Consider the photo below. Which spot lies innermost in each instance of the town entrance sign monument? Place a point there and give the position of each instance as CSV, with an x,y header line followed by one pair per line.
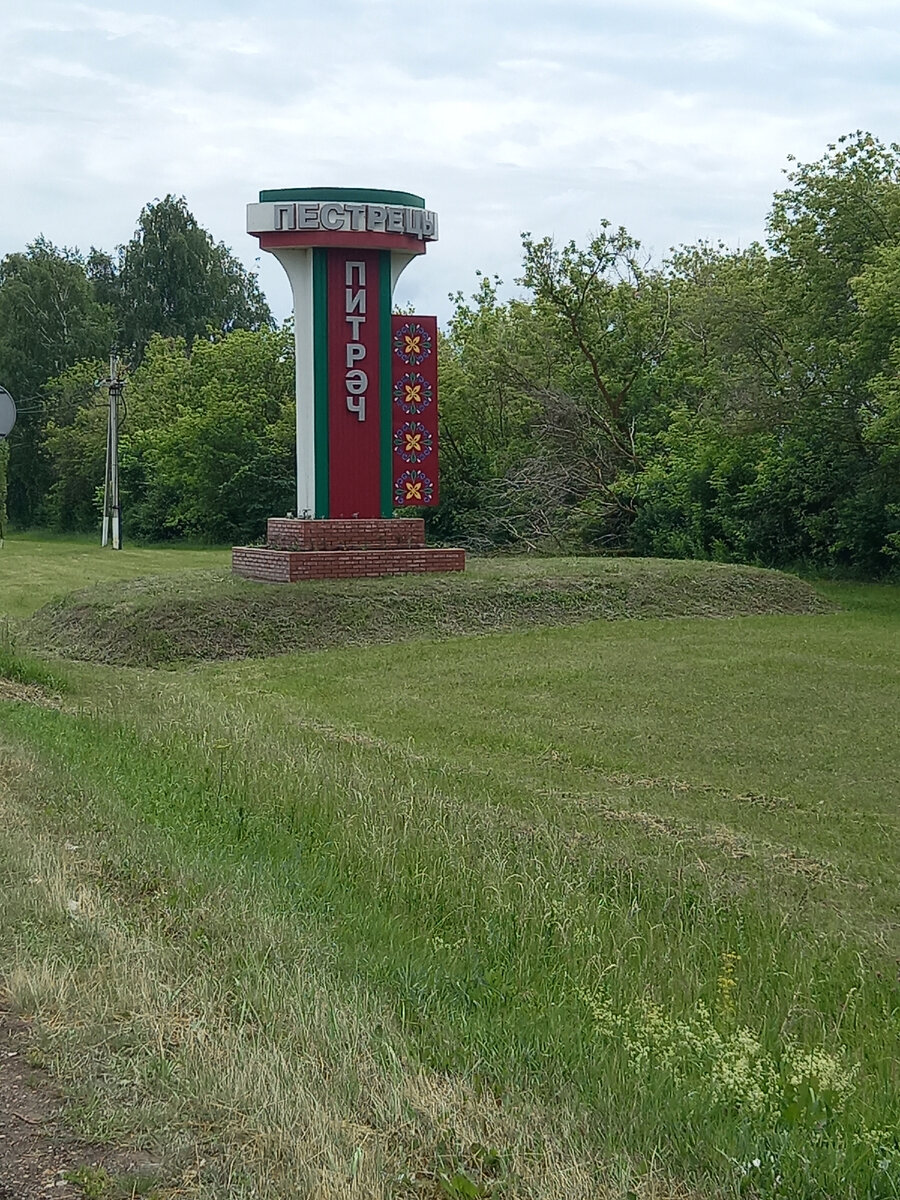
x,y
367,431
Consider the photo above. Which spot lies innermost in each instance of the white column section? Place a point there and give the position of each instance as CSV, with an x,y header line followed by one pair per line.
x,y
298,266
399,263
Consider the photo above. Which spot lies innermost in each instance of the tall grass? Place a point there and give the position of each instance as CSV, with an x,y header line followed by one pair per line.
x,y
326,964
18,667
605,911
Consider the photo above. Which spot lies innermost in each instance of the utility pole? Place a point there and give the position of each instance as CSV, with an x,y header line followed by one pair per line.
x,y
112,515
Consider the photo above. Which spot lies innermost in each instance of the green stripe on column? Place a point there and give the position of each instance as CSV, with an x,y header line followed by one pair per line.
x,y
320,343
385,388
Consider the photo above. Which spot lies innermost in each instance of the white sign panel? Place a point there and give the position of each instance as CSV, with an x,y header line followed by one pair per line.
x,y
7,413
333,216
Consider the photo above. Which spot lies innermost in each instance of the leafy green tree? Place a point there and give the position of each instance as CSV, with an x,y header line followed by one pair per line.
x,y
825,225
102,270
730,405
877,290
176,282
780,381
727,356
838,219
223,461
543,396
607,316
206,444
49,319
486,414
691,499
75,446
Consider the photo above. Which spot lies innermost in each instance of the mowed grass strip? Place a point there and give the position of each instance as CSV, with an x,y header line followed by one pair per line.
x,y
36,569
774,718
210,615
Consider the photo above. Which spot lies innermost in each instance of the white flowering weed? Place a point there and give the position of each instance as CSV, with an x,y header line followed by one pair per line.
x,y
726,1066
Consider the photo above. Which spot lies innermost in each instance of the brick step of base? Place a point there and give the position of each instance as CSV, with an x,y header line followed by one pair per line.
x,y
291,533
268,565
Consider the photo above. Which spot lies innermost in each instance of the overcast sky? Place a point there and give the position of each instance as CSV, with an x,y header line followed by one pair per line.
x,y
672,117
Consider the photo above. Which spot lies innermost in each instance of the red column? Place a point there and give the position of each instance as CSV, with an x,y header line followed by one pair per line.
x,y
354,387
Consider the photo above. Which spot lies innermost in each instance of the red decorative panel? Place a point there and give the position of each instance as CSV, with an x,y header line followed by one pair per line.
x,y
354,384
414,405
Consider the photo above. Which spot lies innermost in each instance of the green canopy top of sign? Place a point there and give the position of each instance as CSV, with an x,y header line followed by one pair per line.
x,y
360,195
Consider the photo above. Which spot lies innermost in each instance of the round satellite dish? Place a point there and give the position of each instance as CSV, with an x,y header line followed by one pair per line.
x,y
7,413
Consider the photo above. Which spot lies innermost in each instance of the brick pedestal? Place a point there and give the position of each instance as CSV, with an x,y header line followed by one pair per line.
x,y
299,549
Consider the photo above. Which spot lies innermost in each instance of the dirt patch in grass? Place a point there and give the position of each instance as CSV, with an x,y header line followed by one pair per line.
x,y
204,616
37,1154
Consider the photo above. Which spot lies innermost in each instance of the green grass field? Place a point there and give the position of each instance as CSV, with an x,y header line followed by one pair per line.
x,y
34,570
601,910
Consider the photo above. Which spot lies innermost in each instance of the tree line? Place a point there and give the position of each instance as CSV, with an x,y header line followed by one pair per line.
x,y
60,314
732,405
739,405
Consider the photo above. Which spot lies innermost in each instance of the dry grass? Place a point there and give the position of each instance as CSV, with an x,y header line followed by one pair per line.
x,y
28,693
310,1097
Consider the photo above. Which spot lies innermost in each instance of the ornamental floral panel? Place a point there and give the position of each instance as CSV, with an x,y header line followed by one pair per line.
x,y
414,408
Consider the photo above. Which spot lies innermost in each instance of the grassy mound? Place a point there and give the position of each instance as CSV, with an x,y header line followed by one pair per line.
x,y
208,615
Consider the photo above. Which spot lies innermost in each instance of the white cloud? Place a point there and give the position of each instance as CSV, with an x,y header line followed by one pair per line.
x,y
805,18
671,118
